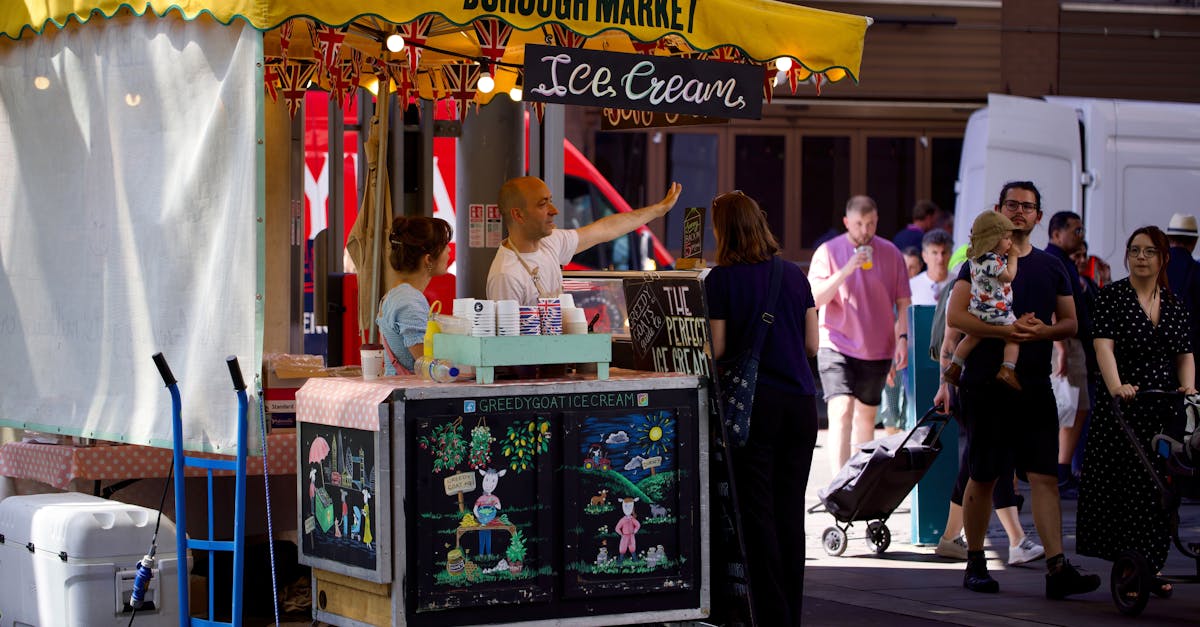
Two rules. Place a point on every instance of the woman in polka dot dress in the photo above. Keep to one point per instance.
(1142, 343)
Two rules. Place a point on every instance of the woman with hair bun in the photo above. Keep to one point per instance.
(418, 251)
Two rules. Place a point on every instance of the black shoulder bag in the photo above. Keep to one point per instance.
(739, 375)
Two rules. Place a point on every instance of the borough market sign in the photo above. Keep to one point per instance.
(643, 82)
(677, 15)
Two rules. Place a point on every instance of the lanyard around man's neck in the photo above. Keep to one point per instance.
(533, 272)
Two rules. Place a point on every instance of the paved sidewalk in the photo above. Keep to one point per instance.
(910, 586)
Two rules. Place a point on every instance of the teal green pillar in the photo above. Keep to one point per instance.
(931, 498)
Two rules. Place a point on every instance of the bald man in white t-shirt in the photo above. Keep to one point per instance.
(529, 215)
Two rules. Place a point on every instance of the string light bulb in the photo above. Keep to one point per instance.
(486, 83)
(516, 93)
(41, 83)
(395, 43)
(783, 63)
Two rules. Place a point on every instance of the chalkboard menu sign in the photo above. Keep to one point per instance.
(693, 233)
(668, 324)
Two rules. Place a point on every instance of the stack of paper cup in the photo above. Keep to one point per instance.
(483, 318)
(550, 310)
(566, 300)
(508, 316)
(574, 321)
(464, 307)
(530, 321)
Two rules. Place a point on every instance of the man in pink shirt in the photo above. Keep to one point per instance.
(860, 284)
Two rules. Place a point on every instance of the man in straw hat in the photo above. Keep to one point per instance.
(1010, 428)
(1183, 272)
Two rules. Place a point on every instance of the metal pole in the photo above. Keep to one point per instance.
(381, 110)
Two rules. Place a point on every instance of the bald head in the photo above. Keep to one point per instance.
(527, 208)
(515, 194)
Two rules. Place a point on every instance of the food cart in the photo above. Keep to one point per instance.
(517, 502)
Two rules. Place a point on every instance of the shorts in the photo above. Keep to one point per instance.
(1076, 370)
(1010, 429)
(843, 375)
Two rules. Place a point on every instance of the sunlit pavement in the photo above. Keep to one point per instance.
(909, 585)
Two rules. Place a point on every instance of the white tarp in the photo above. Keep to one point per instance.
(129, 205)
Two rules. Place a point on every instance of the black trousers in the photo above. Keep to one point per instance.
(771, 471)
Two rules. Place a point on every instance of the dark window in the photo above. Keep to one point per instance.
(824, 187)
(891, 180)
(758, 170)
(946, 154)
(692, 162)
(621, 158)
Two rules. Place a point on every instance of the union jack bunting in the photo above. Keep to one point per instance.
(294, 78)
(539, 109)
(344, 83)
(329, 44)
(798, 74)
(272, 70)
(818, 78)
(566, 37)
(405, 81)
(728, 54)
(769, 73)
(285, 37)
(493, 37)
(645, 47)
(415, 33)
(460, 82)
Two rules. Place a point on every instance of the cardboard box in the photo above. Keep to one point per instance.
(283, 374)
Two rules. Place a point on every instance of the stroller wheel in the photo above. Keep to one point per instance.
(879, 536)
(1130, 583)
(834, 541)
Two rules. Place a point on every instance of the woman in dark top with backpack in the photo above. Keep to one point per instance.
(771, 470)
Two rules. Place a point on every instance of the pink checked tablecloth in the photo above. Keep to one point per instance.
(353, 402)
(59, 464)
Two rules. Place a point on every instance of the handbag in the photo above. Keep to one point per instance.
(739, 376)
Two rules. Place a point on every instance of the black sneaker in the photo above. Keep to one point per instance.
(980, 581)
(1067, 581)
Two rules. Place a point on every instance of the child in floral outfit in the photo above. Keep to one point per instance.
(992, 273)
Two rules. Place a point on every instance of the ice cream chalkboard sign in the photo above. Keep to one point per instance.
(667, 324)
(693, 239)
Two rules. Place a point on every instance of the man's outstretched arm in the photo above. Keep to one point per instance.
(611, 227)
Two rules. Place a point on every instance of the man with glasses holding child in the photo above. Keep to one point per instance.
(1012, 428)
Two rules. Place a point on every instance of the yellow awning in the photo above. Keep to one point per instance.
(821, 41)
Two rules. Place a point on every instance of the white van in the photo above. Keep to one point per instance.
(1120, 164)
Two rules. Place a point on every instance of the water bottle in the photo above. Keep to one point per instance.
(145, 571)
(433, 369)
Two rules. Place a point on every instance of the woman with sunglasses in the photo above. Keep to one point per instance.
(1142, 342)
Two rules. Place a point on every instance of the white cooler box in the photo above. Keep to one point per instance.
(70, 559)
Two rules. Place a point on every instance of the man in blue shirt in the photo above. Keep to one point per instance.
(1183, 272)
(1076, 358)
(923, 215)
